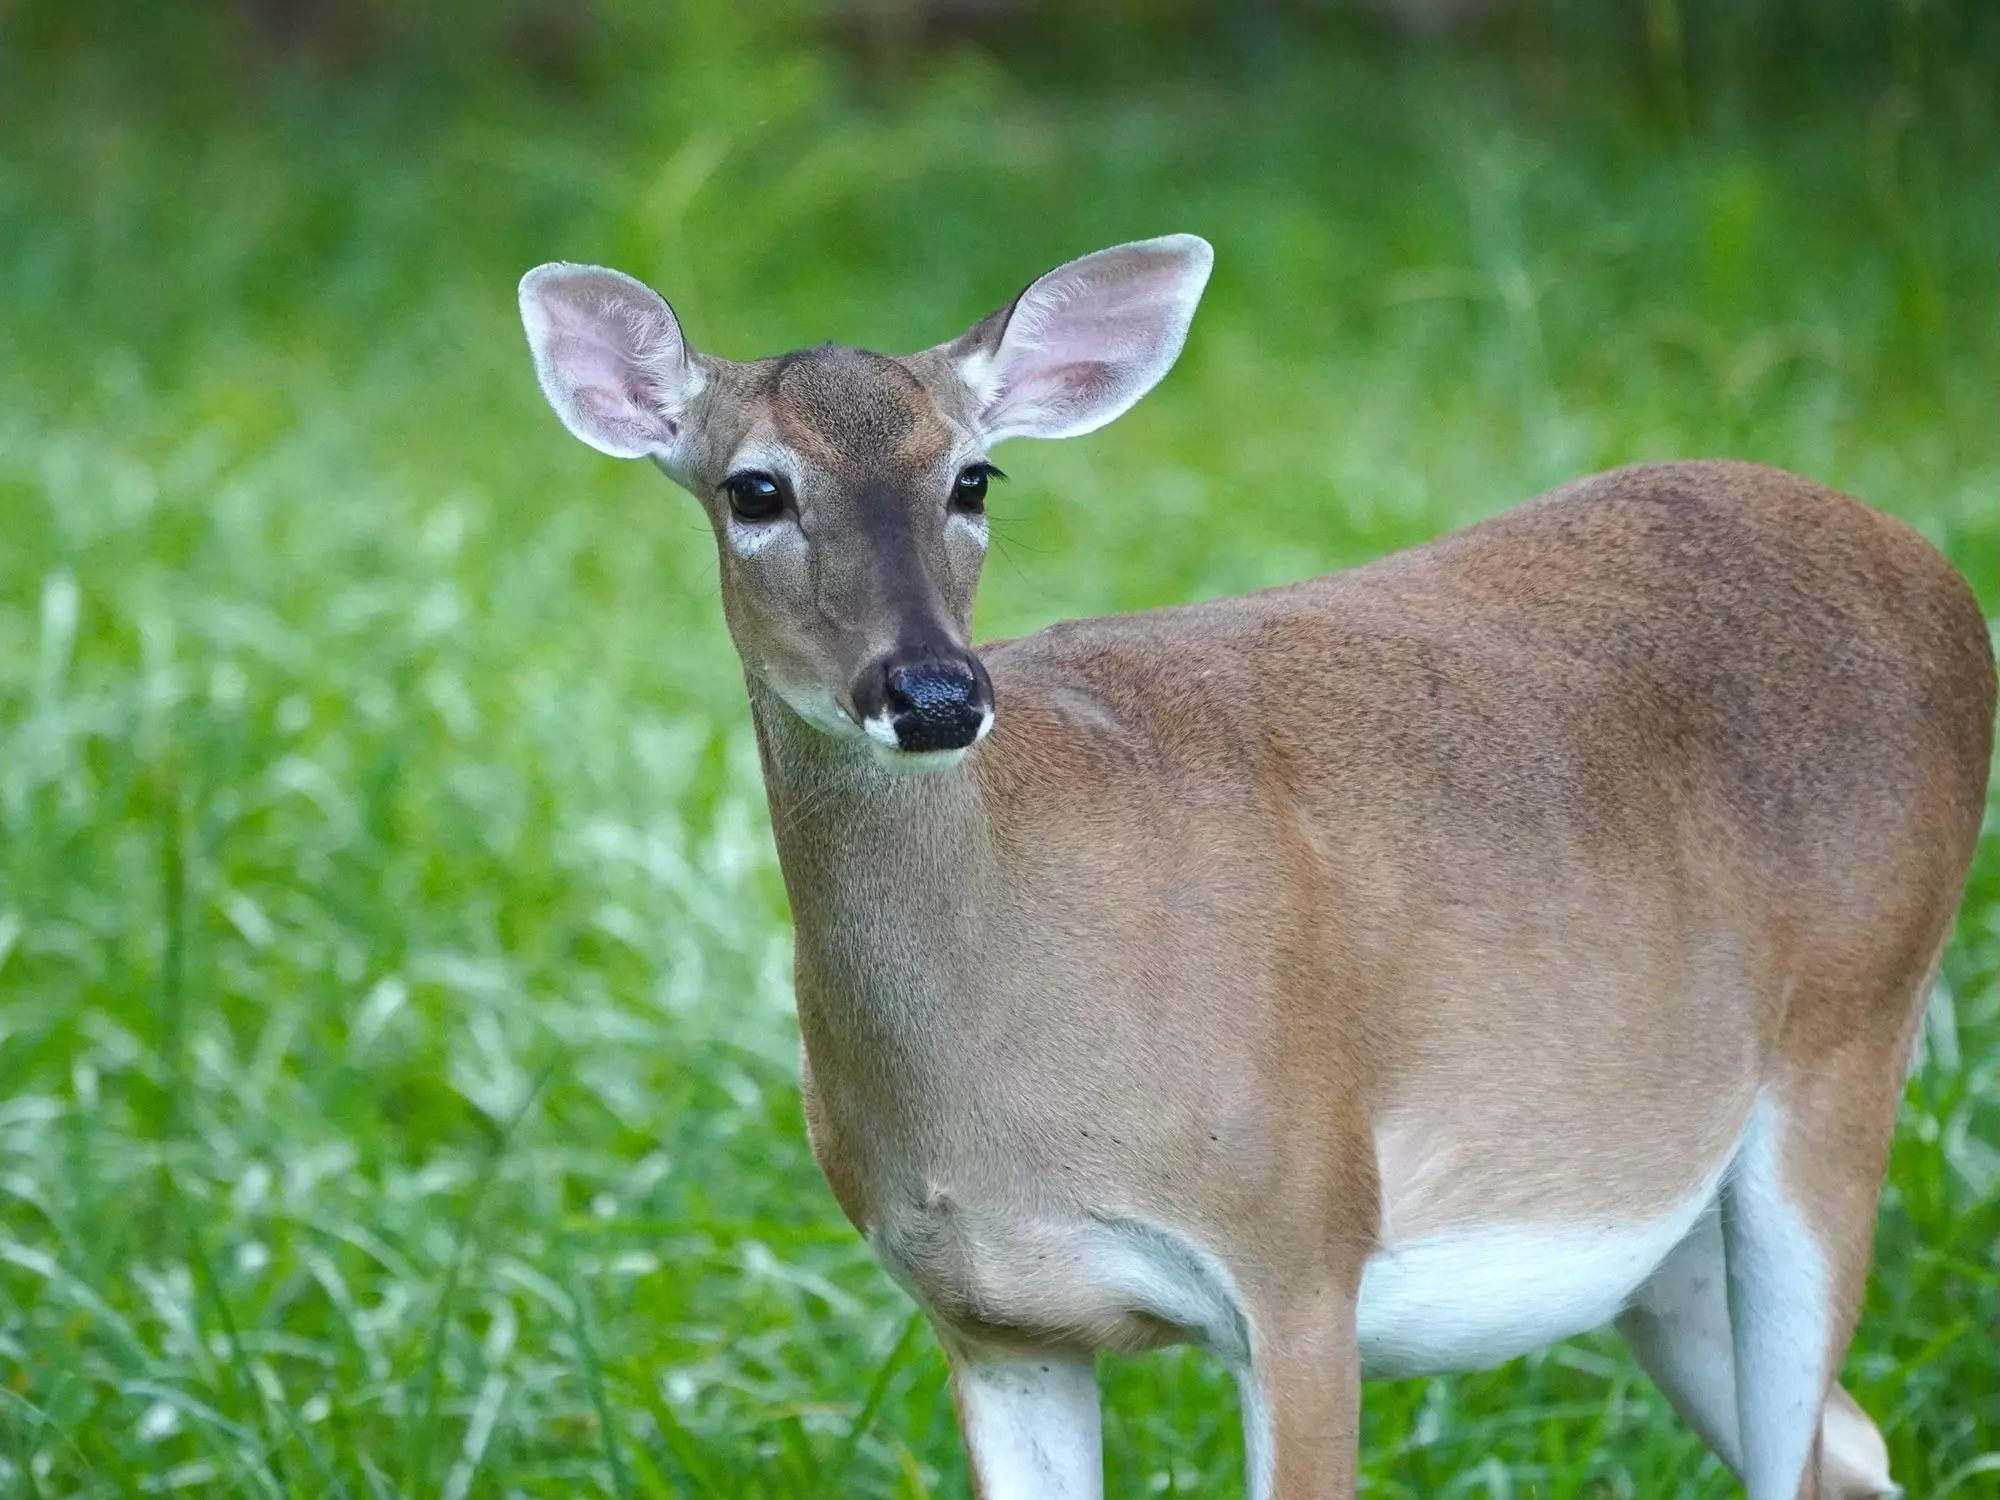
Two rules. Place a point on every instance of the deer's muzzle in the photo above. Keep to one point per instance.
(926, 706)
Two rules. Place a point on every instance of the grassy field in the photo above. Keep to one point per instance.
(397, 1075)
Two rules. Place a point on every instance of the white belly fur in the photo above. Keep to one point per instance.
(1470, 1298)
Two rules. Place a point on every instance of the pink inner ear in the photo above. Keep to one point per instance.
(1089, 339)
(611, 358)
(1045, 391)
(627, 415)
(613, 390)
(602, 365)
(605, 328)
(1112, 314)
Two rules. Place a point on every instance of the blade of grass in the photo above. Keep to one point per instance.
(424, 1430)
(593, 1373)
(835, 1473)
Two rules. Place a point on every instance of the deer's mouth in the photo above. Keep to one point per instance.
(894, 752)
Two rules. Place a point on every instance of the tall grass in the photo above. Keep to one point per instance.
(397, 1077)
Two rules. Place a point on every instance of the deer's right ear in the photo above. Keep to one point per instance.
(610, 356)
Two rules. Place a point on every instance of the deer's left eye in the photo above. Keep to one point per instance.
(968, 493)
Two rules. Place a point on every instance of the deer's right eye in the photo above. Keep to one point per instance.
(755, 496)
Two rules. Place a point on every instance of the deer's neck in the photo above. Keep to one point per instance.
(884, 874)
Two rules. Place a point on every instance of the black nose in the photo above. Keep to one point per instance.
(936, 705)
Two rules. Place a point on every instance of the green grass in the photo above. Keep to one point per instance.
(397, 1075)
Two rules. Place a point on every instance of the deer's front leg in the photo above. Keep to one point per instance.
(1302, 1399)
(1031, 1423)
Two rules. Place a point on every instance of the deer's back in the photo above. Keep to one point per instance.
(1716, 642)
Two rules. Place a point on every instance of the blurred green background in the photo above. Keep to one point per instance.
(397, 1075)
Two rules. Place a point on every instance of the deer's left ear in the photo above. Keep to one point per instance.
(1086, 341)
(610, 356)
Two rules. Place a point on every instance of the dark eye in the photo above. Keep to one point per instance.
(755, 496)
(968, 493)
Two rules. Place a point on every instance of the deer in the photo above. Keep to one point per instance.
(1377, 975)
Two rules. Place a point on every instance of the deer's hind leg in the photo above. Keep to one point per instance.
(1678, 1328)
(1798, 1217)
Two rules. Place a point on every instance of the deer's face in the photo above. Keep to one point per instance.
(847, 489)
(847, 492)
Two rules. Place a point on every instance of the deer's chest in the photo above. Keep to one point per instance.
(998, 1270)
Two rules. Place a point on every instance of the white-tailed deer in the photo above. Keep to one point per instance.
(1386, 973)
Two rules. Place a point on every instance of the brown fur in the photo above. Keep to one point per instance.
(1559, 838)
(1500, 882)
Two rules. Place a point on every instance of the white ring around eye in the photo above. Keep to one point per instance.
(974, 523)
(748, 538)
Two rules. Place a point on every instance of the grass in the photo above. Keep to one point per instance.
(397, 1075)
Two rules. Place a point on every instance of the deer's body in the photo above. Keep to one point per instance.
(1395, 971)
(1613, 783)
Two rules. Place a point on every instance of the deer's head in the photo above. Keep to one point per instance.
(847, 489)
